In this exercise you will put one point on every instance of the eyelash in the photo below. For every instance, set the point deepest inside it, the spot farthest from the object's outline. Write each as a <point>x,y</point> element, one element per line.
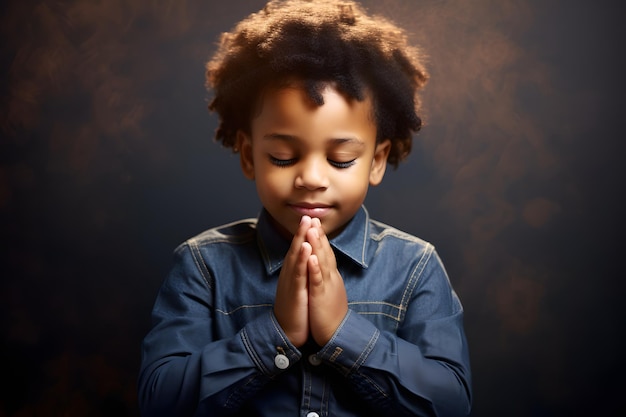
<point>342,165</point>
<point>282,162</point>
<point>288,162</point>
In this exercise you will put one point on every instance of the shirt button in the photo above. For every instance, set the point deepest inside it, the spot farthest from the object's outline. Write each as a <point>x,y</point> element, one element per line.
<point>281,361</point>
<point>312,414</point>
<point>314,360</point>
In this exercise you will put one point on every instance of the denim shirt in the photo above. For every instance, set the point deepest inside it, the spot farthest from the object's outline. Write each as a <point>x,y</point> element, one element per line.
<point>216,348</point>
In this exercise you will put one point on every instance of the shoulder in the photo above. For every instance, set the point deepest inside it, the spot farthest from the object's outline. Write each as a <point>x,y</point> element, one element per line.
<point>392,243</point>
<point>235,233</point>
<point>200,255</point>
<point>408,251</point>
<point>379,231</point>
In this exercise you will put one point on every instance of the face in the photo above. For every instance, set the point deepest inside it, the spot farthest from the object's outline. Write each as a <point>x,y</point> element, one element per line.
<point>312,160</point>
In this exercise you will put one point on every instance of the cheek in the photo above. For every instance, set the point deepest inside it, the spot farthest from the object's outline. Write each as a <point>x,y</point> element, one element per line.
<point>274,182</point>
<point>362,180</point>
<point>355,187</point>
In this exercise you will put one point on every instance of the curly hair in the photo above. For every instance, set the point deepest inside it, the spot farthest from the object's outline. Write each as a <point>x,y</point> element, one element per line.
<point>318,42</point>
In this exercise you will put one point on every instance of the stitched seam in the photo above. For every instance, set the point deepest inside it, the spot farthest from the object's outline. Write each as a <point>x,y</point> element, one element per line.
<point>325,399</point>
<point>227,313</point>
<point>391,231</point>
<point>307,387</point>
<point>197,259</point>
<point>253,355</point>
<point>365,234</point>
<point>332,339</point>
<point>374,313</point>
<point>375,385</point>
<point>217,236</point>
<point>368,349</point>
<point>278,330</point>
<point>415,274</point>
<point>385,303</point>
<point>380,303</point>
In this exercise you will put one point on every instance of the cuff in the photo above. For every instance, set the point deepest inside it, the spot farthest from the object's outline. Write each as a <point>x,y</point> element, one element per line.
<point>351,344</point>
<point>268,346</point>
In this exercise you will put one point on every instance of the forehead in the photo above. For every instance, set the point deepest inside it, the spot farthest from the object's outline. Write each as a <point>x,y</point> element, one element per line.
<point>291,107</point>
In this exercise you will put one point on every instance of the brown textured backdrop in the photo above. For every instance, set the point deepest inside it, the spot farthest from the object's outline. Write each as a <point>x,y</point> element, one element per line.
<point>107,163</point>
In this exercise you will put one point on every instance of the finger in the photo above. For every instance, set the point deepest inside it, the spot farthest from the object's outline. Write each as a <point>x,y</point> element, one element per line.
<point>299,238</point>
<point>316,280</point>
<point>322,247</point>
<point>313,237</point>
<point>293,274</point>
<point>317,224</point>
<point>291,302</point>
<point>302,267</point>
<point>305,224</point>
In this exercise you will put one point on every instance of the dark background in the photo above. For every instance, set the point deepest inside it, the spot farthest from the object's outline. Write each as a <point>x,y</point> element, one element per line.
<point>107,163</point>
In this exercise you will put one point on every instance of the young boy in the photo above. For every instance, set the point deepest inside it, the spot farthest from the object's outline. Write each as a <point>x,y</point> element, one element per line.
<point>313,309</point>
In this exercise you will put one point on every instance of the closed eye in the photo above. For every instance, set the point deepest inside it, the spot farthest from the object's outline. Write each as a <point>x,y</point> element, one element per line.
<point>282,162</point>
<point>342,165</point>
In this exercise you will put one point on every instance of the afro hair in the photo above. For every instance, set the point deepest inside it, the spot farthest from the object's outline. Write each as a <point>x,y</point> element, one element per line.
<point>318,42</point>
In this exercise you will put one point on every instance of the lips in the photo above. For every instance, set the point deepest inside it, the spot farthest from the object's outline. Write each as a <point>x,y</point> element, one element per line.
<point>311,209</point>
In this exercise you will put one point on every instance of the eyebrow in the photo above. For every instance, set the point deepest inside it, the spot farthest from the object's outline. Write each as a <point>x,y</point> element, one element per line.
<point>333,141</point>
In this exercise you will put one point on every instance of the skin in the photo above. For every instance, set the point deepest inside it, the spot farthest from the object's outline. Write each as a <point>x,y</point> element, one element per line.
<point>312,166</point>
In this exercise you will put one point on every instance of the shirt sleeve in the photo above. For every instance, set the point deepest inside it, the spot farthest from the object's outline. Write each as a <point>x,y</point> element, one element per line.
<point>423,368</point>
<point>185,369</point>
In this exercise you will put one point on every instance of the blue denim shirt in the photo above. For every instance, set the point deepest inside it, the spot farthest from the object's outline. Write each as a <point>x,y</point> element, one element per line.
<point>216,349</point>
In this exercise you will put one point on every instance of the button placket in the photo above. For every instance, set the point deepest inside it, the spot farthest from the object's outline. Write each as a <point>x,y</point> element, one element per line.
<point>314,360</point>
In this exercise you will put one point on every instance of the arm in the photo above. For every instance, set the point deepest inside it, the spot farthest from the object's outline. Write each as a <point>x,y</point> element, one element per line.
<point>423,369</point>
<point>185,368</point>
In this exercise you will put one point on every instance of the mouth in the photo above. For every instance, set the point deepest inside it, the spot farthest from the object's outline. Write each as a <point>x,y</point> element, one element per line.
<point>318,210</point>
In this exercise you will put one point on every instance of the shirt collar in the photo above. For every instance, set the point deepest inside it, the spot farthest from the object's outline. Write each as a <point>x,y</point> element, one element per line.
<point>352,241</point>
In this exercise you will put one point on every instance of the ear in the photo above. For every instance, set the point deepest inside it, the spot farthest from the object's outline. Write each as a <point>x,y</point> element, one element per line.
<point>244,145</point>
<point>379,163</point>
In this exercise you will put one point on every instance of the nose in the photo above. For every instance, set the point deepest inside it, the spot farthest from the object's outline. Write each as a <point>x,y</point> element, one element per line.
<point>312,174</point>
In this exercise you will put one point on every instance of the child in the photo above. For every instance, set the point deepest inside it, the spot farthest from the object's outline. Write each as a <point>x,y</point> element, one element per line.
<point>313,309</point>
